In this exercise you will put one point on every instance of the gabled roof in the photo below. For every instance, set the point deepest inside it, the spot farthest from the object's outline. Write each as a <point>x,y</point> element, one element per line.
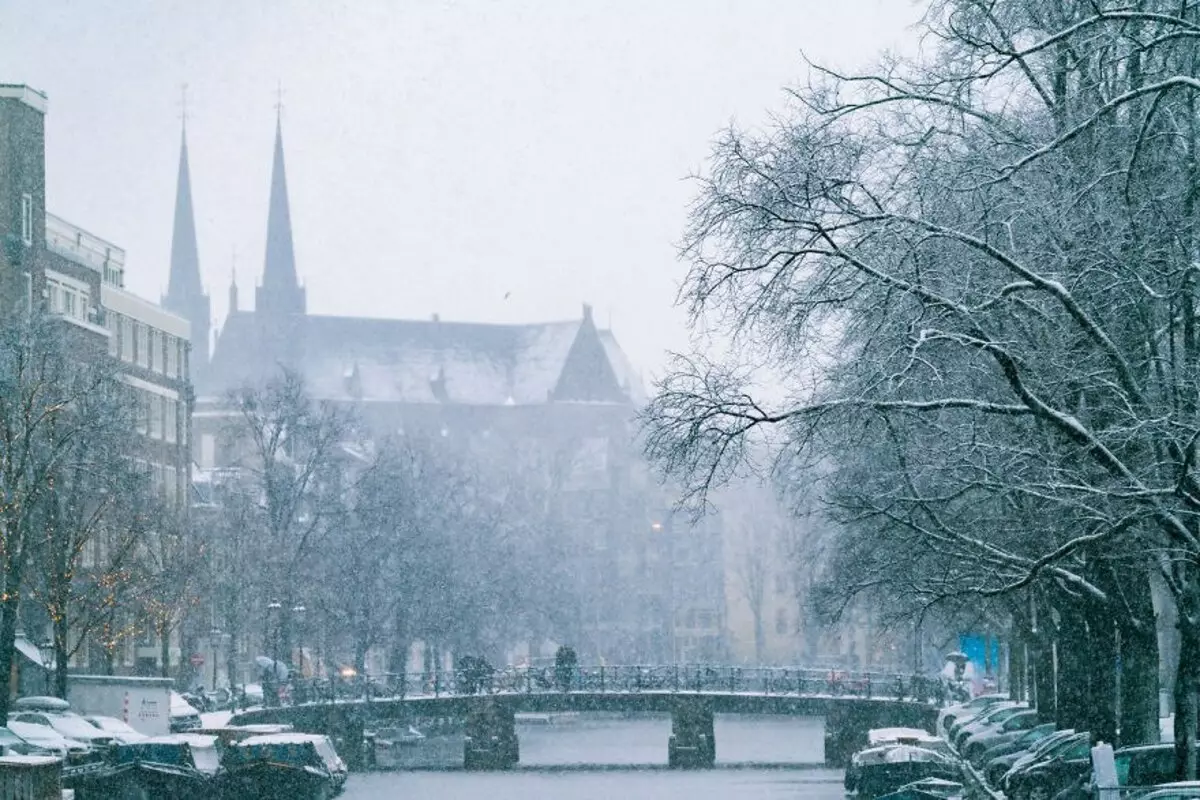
<point>426,361</point>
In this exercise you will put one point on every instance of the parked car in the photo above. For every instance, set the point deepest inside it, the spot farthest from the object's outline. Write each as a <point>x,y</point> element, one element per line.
<point>951,714</point>
<point>1145,767</point>
<point>993,716</point>
<point>12,744</point>
<point>50,740</point>
<point>56,713</point>
<point>118,729</point>
<point>184,717</point>
<point>1044,779</point>
<point>997,768</point>
<point>1184,790</point>
<point>1014,742</point>
<point>975,743</point>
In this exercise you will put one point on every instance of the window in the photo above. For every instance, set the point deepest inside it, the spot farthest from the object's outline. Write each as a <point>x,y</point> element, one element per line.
<point>53,296</point>
<point>171,419</point>
<point>208,451</point>
<point>27,219</point>
<point>171,355</point>
<point>156,416</point>
<point>126,339</point>
<point>156,354</point>
<point>171,476</point>
<point>112,322</point>
<point>143,410</point>
<point>141,345</point>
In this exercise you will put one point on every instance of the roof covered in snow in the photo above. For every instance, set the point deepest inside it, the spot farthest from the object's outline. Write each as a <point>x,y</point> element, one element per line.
<point>427,361</point>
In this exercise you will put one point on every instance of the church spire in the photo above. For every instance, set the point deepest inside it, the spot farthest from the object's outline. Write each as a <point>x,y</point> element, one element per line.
<point>185,292</point>
<point>280,290</point>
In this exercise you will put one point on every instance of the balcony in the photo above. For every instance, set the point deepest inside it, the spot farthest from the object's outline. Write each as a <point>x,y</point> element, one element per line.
<point>83,248</point>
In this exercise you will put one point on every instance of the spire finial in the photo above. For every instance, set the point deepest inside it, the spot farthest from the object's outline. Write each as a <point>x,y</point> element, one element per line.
<point>183,87</point>
<point>278,100</point>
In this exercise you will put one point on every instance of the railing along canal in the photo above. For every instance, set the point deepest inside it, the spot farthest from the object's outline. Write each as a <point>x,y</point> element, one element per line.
<point>619,679</point>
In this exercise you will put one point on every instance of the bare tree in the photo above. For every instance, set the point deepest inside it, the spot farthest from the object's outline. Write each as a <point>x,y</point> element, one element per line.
<point>287,444</point>
<point>987,255</point>
<point>48,403</point>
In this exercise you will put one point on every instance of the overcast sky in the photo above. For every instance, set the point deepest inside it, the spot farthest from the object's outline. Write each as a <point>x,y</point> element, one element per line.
<point>441,154</point>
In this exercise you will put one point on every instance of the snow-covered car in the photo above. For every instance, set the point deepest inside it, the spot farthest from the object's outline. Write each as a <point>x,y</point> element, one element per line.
<point>184,717</point>
<point>118,729</point>
<point>985,716</point>
<point>48,739</point>
<point>974,739</point>
<point>12,744</point>
<point>951,714</point>
<point>67,724</point>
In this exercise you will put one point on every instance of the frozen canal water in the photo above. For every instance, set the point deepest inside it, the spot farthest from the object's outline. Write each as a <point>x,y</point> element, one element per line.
<point>591,759</point>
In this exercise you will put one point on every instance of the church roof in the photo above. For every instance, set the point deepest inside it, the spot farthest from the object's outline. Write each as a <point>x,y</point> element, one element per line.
<point>429,361</point>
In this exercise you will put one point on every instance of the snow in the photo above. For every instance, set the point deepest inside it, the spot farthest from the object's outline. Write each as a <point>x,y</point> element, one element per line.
<point>29,760</point>
<point>282,738</point>
<point>215,719</point>
<point>191,739</point>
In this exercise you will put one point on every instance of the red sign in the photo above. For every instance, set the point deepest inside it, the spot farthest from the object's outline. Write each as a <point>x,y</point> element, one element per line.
<point>197,659</point>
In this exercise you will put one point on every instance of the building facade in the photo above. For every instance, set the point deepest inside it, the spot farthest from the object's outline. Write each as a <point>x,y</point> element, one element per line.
<point>49,265</point>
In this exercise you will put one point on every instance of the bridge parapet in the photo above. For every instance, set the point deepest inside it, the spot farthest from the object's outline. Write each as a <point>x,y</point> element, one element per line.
<point>624,679</point>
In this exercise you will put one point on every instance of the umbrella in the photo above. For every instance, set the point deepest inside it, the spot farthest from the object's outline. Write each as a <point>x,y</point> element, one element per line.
<point>280,669</point>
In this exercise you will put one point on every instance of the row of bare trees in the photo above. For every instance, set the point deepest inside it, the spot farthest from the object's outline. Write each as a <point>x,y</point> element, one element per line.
<point>975,274</point>
<point>382,540</point>
<point>80,520</point>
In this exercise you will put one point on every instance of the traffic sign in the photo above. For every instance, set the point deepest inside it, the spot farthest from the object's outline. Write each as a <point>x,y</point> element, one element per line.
<point>197,659</point>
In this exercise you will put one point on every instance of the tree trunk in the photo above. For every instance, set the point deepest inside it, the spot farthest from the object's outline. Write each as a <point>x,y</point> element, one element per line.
<point>1016,666</point>
<point>164,652</point>
<point>60,655</point>
<point>8,636</point>
<point>758,638</point>
<point>231,659</point>
<point>1101,679</point>
<point>1185,700</point>
<point>1047,701</point>
<point>1139,687</point>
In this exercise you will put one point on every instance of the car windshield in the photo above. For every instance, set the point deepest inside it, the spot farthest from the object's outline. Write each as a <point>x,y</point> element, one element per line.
<point>75,727</point>
<point>33,732</point>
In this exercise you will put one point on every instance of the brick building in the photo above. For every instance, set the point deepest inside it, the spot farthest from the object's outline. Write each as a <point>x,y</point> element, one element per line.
<point>49,265</point>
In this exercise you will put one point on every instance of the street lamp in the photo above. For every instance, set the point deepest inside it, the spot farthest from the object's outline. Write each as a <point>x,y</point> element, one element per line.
<point>270,691</point>
<point>214,636</point>
<point>298,612</point>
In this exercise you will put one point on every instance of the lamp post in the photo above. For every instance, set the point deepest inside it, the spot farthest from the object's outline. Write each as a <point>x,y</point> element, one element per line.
<point>214,637</point>
<point>273,609</point>
<point>301,689</point>
<point>269,686</point>
<point>298,612</point>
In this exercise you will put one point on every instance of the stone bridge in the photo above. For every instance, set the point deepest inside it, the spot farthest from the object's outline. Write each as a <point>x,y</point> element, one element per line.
<point>850,704</point>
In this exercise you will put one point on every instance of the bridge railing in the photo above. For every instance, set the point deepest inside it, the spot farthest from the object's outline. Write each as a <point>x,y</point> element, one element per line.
<point>674,678</point>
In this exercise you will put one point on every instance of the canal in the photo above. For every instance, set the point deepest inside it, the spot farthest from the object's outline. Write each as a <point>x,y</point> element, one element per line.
<point>589,758</point>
